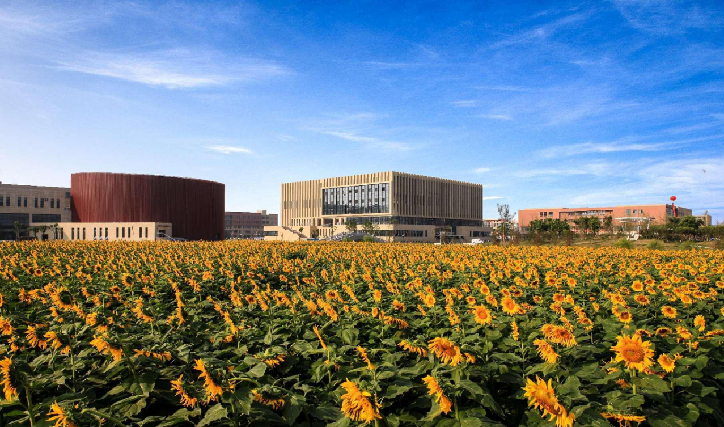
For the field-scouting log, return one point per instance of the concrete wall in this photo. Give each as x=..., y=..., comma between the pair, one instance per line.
x=128, y=231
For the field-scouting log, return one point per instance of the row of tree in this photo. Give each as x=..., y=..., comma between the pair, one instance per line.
x=684, y=228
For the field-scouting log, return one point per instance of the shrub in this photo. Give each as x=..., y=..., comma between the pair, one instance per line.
x=623, y=244
x=719, y=245
x=369, y=239
x=687, y=245
x=655, y=245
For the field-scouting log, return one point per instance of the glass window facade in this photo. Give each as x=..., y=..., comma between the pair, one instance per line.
x=356, y=199
x=46, y=218
x=7, y=224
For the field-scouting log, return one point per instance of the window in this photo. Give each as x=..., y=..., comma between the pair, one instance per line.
x=123, y=232
x=25, y=202
x=94, y=233
x=36, y=202
x=540, y=214
x=147, y=232
x=628, y=211
x=140, y=232
x=57, y=203
x=52, y=203
x=129, y=232
x=369, y=198
x=106, y=232
x=83, y=233
x=550, y=213
x=72, y=234
x=1, y=201
x=42, y=202
x=46, y=218
x=116, y=232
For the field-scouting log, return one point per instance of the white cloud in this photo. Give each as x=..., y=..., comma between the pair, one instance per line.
x=229, y=149
x=481, y=170
x=503, y=117
x=622, y=145
x=465, y=103
x=492, y=197
x=173, y=69
x=594, y=169
x=372, y=141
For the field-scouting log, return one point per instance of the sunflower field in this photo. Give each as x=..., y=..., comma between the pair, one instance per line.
x=338, y=334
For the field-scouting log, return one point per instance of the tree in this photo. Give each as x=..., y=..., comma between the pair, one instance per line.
x=391, y=231
x=369, y=228
x=608, y=224
x=582, y=224
x=18, y=227
x=594, y=224
x=351, y=225
x=506, y=220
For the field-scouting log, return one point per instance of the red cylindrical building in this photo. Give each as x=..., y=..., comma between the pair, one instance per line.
x=194, y=207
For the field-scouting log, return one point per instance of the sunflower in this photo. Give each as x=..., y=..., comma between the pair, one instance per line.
x=636, y=354
x=622, y=419
x=8, y=388
x=546, y=351
x=356, y=405
x=58, y=415
x=509, y=306
x=186, y=400
x=667, y=363
x=321, y=341
x=412, y=348
x=445, y=350
x=434, y=389
x=482, y=315
x=669, y=311
x=363, y=354
x=663, y=331
x=700, y=323
x=213, y=391
x=541, y=396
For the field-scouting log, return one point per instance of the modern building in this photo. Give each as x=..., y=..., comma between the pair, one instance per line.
x=28, y=204
x=111, y=206
x=496, y=222
x=625, y=218
x=400, y=206
x=248, y=225
x=194, y=207
x=705, y=218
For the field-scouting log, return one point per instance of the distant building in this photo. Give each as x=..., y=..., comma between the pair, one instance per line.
x=705, y=218
x=626, y=218
x=248, y=225
x=112, y=206
x=495, y=223
x=401, y=207
x=28, y=204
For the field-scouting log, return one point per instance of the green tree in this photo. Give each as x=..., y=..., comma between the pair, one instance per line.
x=370, y=228
x=18, y=227
x=608, y=224
x=351, y=225
x=506, y=221
x=582, y=224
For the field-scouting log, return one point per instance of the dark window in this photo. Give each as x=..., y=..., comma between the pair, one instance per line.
x=57, y=203
x=46, y=218
x=94, y=232
x=106, y=232
x=25, y=202
x=42, y=202
x=7, y=224
x=369, y=198
x=36, y=202
x=67, y=194
x=52, y=203
x=20, y=200
x=83, y=233
x=147, y=232
x=140, y=232
x=129, y=232
x=1, y=201
x=116, y=232
x=123, y=232
x=72, y=233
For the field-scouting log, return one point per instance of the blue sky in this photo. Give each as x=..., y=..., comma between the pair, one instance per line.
x=545, y=104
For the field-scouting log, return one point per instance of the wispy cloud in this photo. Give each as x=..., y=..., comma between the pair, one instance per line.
x=666, y=18
x=622, y=145
x=173, y=69
x=492, y=197
x=594, y=169
x=543, y=31
x=481, y=170
x=229, y=149
x=465, y=103
x=503, y=117
x=376, y=142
